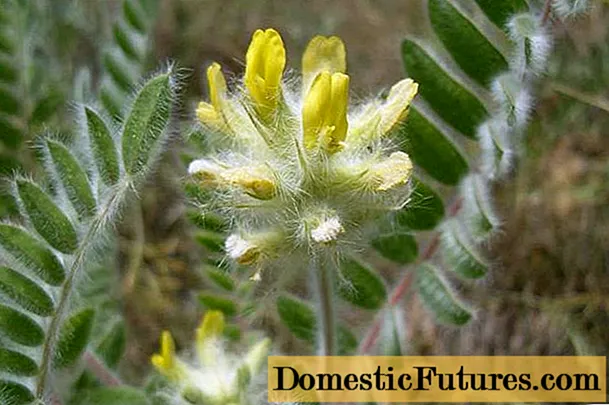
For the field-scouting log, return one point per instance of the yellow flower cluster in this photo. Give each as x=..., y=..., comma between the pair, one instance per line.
x=217, y=377
x=303, y=157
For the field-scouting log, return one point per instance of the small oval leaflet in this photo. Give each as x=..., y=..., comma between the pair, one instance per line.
x=19, y=327
x=25, y=292
x=48, y=220
x=32, y=253
x=103, y=148
x=438, y=298
x=73, y=338
x=146, y=123
x=73, y=179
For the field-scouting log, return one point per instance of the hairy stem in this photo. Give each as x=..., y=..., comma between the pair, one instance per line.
x=95, y=227
x=327, y=317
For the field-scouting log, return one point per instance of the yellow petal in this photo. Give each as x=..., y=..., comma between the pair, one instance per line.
x=165, y=361
x=217, y=85
x=395, y=108
x=338, y=112
x=207, y=114
x=393, y=172
x=256, y=182
x=212, y=326
x=213, y=114
x=274, y=61
x=206, y=171
x=316, y=104
x=324, y=114
x=264, y=65
x=323, y=54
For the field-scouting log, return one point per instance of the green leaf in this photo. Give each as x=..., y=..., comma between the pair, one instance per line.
x=10, y=164
x=460, y=253
x=224, y=304
x=119, y=71
x=46, y=106
x=221, y=278
x=32, y=253
x=8, y=206
x=73, y=179
x=424, y=211
x=449, y=99
x=361, y=285
x=297, y=316
x=134, y=16
x=16, y=363
x=232, y=332
x=477, y=207
x=390, y=339
x=124, y=40
x=437, y=296
x=111, y=98
x=146, y=123
x=300, y=319
x=10, y=135
x=114, y=396
x=500, y=11
x=6, y=45
x=430, y=149
x=211, y=240
x=73, y=338
x=19, y=327
x=112, y=346
x=8, y=74
x=12, y=393
x=48, y=220
x=8, y=102
x=472, y=51
x=103, y=148
x=346, y=341
x=400, y=247
x=25, y=292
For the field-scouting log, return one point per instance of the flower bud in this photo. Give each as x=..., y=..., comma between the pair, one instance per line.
x=392, y=172
x=324, y=114
x=265, y=62
x=323, y=54
x=212, y=114
x=240, y=250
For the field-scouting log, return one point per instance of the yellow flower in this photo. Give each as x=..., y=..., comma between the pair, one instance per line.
x=241, y=250
x=210, y=329
x=395, y=108
x=212, y=326
x=379, y=118
x=166, y=362
x=255, y=182
x=324, y=114
x=264, y=64
x=392, y=172
x=323, y=54
x=212, y=114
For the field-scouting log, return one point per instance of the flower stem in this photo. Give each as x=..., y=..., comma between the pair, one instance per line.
x=327, y=317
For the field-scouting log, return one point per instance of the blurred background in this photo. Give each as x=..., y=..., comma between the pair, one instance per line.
x=548, y=290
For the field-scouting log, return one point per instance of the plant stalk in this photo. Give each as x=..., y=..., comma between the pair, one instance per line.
x=327, y=317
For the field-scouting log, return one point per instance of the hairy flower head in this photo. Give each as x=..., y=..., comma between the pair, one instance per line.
x=297, y=168
x=216, y=376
